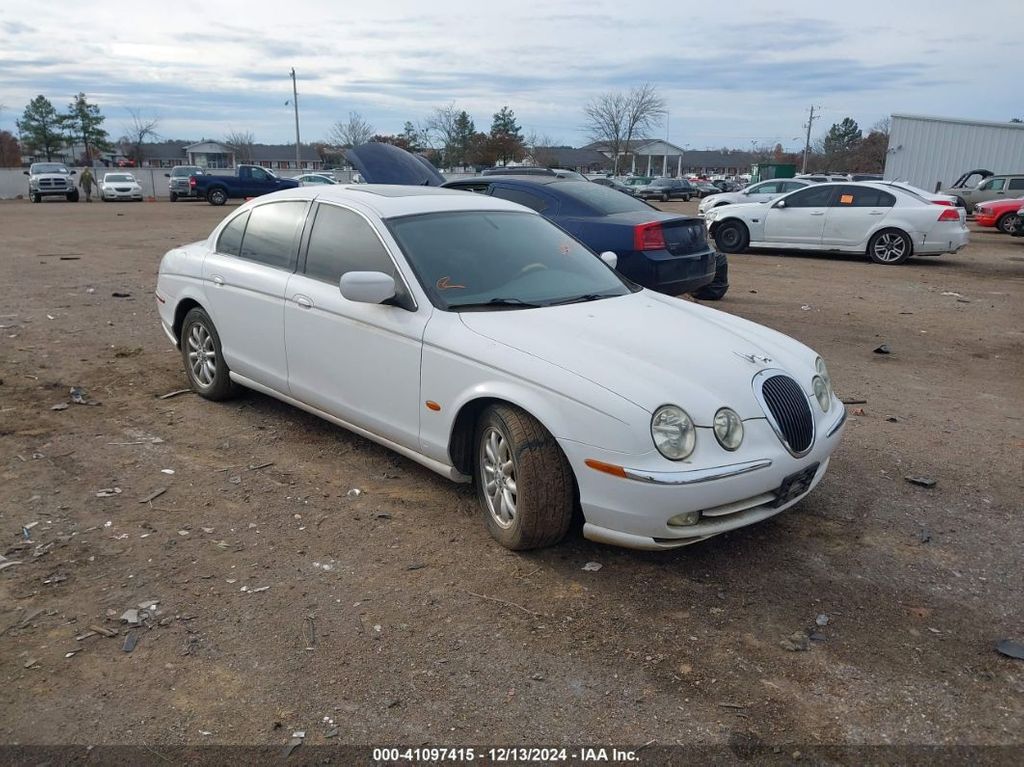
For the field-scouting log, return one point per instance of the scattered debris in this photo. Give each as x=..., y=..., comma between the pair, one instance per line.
x=592, y=567
x=732, y=705
x=174, y=393
x=30, y=663
x=355, y=492
x=502, y=602
x=154, y=495
x=309, y=633
x=333, y=733
x=892, y=419
x=5, y=562
x=72, y=653
x=1011, y=649
x=293, y=744
x=920, y=481
x=963, y=300
x=108, y=492
x=416, y=566
x=131, y=617
x=806, y=308
x=116, y=294
x=382, y=515
x=821, y=620
x=80, y=396
x=925, y=535
x=130, y=641
x=883, y=349
x=854, y=401
x=257, y=466
x=857, y=411
x=61, y=406
x=183, y=533
x=537, y=677
x=796, y=642
x=166, y=471
x=101, y=630
x=951, y=293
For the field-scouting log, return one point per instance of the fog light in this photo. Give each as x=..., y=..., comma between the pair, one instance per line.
x=685, y=519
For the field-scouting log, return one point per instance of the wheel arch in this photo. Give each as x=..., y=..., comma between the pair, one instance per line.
x=889, y=228
x=184, y=306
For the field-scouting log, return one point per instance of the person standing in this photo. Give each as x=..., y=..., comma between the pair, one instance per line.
x=86, y=183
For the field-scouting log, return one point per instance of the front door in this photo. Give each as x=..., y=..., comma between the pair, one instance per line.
x=801, y=220
x=359, y=362
x=245, y=282
x=854, y=214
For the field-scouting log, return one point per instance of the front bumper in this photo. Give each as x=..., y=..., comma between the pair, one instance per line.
x=115, y=195
x=634, y=511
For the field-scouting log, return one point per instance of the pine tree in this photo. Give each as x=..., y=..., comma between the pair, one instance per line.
x=40, y=127
x=506, y=141
x=83, y=120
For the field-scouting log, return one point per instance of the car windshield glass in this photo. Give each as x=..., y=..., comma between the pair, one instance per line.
x=602, y=199
x=48, y=167
x=185, y=171
x=118, y=177
x=500, y=260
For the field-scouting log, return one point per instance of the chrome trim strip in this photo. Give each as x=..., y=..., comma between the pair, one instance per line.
x=697, y=475
x=838, y=424
x=444, y=469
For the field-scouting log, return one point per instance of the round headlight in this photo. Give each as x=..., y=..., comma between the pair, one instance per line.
x=673, y=432
x=822, y=393
x=820, y=369
x=728, y=428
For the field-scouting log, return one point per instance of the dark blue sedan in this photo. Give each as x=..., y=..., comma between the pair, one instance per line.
x=661, y=251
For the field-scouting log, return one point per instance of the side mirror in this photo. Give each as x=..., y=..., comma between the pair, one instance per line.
x=26, y=172
x=610, y=258
x=72, y=173
x=367, y=287
x=780, y=204
x=167, y=175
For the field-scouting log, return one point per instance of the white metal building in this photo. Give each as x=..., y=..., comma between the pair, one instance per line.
x=933, y=151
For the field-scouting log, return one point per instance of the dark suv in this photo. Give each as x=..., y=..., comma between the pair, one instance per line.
x=178, y=185
x=665, y=189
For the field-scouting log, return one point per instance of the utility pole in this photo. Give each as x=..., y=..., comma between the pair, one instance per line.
x=811, y=117
x=295, y=101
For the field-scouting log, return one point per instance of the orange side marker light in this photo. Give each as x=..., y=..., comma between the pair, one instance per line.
x=607, y=468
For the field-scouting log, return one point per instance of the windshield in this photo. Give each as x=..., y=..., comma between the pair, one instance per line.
x=601, y=199
x=118, y=178
x=187, y=170
x=508, y=258
x=48, y=167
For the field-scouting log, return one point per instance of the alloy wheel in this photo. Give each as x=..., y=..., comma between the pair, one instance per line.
x=890, y=247
x=499, y=476
x=202, y=357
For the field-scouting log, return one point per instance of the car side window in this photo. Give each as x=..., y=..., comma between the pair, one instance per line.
x=814, y=197
x=230, y=240
x=341, y=241
x=769, y=187
x=791, y=186
x=258, y=174
x=994, y=184
x=862, y=197
x=528, y=199
x=271, y=233
x=1016, y=183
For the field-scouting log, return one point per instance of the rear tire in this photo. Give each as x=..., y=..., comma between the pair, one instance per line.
x=732, y=236
x=890, y=247
x=217, y=196
x=664, y=197
x=174, y=197
x=205, y=368
x=1008, y=223
x=719, y=286
x=524, y=482
x=73, y=196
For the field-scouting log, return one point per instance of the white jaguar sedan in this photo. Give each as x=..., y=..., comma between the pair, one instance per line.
x=475, y=337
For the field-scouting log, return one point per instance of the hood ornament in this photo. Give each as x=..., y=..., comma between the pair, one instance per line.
x=757, y=359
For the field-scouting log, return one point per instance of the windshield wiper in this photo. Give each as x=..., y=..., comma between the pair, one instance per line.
x=496, y=302
x=581, y=299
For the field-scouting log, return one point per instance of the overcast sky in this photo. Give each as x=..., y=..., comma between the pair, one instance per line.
x=730, y=72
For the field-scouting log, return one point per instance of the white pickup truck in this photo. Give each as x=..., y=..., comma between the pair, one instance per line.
x=51, y=179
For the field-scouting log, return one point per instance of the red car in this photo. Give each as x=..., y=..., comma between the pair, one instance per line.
x=1002, y=214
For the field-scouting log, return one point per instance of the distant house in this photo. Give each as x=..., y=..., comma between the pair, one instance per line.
x=217, y=154
x=570, y=158
x=655, y=157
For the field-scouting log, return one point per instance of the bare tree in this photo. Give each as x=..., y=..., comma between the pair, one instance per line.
x=605, y=123
x=541, y=149
x=136, y=132
x=882, y=126
x=352, y=133
x=241, y=141
x=443, y=126
x=644, y=110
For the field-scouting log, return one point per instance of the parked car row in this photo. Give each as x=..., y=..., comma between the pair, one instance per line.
x=1004, y=215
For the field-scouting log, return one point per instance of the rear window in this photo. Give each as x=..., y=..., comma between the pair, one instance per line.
x=532, y=201
x=271, y=234
x=187, y=171
x=601, y=199
x=230, y=239
x=862, y=197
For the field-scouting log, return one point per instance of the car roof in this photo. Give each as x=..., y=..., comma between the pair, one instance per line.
x=391, y=200
x=525, y=178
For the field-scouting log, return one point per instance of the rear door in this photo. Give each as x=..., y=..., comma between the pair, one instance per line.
x=764, y=192
x=802, y=220
x=245, y=283
x=854, y=214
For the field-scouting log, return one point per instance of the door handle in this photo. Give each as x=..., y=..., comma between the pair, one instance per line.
x=304, y=301
x=819, y=213
x=217, y=279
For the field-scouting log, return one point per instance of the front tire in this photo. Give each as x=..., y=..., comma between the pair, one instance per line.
x=205, y=368
x=1008, y=223
x=36, y=198
x=524, y=482
x=664, y=197
x=174, y=197
x=216, y=197
x=890, y=246
x=73, y=196
x=732, y=237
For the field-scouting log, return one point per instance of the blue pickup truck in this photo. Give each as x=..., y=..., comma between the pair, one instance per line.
x=248, y=181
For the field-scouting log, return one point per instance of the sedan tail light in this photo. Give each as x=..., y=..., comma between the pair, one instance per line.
x=949, y=214
x=649, y=237
x=191, y=180
x=942, y=202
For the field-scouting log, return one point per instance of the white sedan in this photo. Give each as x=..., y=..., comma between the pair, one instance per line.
x=889, y=224
x=762, y=192
x=478, y=339
x=120, y=186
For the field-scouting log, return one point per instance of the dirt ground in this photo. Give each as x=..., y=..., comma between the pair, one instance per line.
x=288, y=603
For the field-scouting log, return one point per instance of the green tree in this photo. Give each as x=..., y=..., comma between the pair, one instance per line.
x=506, y=141
x=842, y=137
x=465, y=130
x=413, y=137
x=10, y=151
x=40, y=128
x=84, y=121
